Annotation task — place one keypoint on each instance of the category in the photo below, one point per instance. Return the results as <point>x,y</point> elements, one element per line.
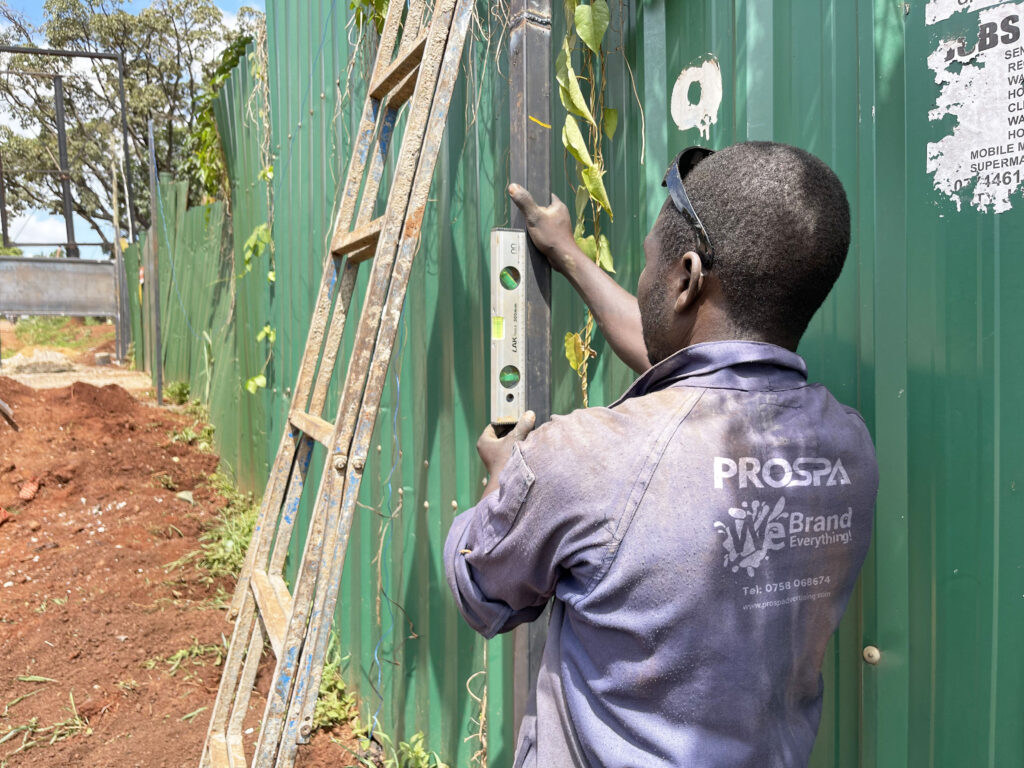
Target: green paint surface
<point>919,335</point>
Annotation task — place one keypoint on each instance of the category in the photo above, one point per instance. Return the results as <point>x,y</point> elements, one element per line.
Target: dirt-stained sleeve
<point>546,527</point>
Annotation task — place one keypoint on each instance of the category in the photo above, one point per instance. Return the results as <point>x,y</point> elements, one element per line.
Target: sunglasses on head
<point>685,162</point>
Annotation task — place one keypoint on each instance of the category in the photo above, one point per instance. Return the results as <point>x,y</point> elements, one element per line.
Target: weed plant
<point>176,392</point>
<point>52,332</point>
<point>224,544</point>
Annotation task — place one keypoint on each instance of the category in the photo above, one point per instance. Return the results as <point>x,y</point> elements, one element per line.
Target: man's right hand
<point>549,227</point>
<point>614,308</point>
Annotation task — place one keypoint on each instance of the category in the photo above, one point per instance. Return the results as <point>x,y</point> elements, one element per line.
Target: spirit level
<point>508,325</point>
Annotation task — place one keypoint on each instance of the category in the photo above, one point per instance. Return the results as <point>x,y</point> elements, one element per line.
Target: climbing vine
<point>587,123</point>
<point>261,240</point>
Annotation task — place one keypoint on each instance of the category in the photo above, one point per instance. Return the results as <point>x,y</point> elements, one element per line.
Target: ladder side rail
<point>322,313</point>
<point>318,634</point>
<point>330,489</point>
<point>284,463</point>
<point>387,245</point>
<point>244,692</point>
<point>376,172</point>
<point>232,670</point>
<point>413,22</point>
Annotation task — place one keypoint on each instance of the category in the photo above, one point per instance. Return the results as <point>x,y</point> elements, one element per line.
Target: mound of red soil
<point>91,617</point>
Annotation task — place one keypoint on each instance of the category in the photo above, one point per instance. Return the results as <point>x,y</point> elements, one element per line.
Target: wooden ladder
<point>417,62</point>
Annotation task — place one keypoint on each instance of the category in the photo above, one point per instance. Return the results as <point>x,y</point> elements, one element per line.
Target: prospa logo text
<point>749,472</point>
<point>758,528</point>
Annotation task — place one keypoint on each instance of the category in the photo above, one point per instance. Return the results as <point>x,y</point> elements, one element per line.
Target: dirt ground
<point>87,341</point>
<point>107,657</point>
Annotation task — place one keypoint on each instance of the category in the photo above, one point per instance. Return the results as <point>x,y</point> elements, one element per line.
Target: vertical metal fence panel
<point>913,336</point>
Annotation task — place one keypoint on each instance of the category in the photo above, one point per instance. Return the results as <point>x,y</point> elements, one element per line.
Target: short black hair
<point>779,222</point>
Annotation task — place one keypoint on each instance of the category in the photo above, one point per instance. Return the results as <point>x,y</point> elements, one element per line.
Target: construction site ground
<point>109,655</point>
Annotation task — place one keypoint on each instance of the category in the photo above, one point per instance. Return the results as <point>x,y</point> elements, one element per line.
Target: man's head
<point>779,223</point>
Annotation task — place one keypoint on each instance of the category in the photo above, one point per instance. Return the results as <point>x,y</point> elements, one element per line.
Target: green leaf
<point>561,64</point>
<point>572,96</point>
<point>255,244</point>
<point>267,333</point>
<point>575,143</point>
<point>592,22</point>
<point>271,276</point>
<point>604,254</point>
<point>595,186</point>
<point>582,198</point>
<point>574,350</point>
<point>610,121</point>
<point>256,382</point>
<point>570,8</point>
<point>589,246</point>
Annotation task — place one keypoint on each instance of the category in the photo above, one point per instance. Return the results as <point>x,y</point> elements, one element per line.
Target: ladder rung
<point>404,91</point>
<point>358,257</point>
<point>320,430</point>
<point>275,619</point>
<point>399,68</point>
<point>358,239</point>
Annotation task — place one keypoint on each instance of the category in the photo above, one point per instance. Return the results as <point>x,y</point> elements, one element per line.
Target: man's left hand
<point>495,451</point>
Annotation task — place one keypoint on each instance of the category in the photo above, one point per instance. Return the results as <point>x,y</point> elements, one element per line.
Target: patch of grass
<point>334,704</point>
<point>128,686</point>
<point>176,392</point>
<point>63,332</point>
<point>224,544</point>
<point>34,735</point>
<point>195,655</point>
<point>199,434</point>
<point>382,752</point>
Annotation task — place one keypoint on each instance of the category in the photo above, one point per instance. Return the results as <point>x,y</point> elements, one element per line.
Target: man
<point>701,536</point>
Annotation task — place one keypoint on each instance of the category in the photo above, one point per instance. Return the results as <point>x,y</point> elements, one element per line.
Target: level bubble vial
<point>509,278</point>
<point>509,376</point>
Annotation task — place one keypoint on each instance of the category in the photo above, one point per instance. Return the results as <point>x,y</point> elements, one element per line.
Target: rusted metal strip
<point>317,636</point>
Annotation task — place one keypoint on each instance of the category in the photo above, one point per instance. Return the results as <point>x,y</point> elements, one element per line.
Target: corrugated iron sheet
<point>913,336</point>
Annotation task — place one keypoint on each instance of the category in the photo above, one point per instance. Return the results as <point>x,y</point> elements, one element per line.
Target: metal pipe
<point>5,241</point>
<point>530,165</point>
<point>133,214</point>
<point>65,179</point>
<point>153,275</point>
<point>61,52</point>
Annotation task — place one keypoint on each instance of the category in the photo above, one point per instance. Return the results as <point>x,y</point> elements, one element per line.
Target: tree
<point>169,51</point>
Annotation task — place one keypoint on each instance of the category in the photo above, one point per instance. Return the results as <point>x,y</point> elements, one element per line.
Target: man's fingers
<point>524,425</point>
<point>523,199</point>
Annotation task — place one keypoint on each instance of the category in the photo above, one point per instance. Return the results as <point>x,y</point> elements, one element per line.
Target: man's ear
<point>688,276</point>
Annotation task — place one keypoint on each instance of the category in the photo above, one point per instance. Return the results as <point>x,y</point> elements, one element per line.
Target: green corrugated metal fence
<point>914,336</point>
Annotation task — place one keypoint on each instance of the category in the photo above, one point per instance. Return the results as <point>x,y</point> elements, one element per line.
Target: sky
<point>38,226</point>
